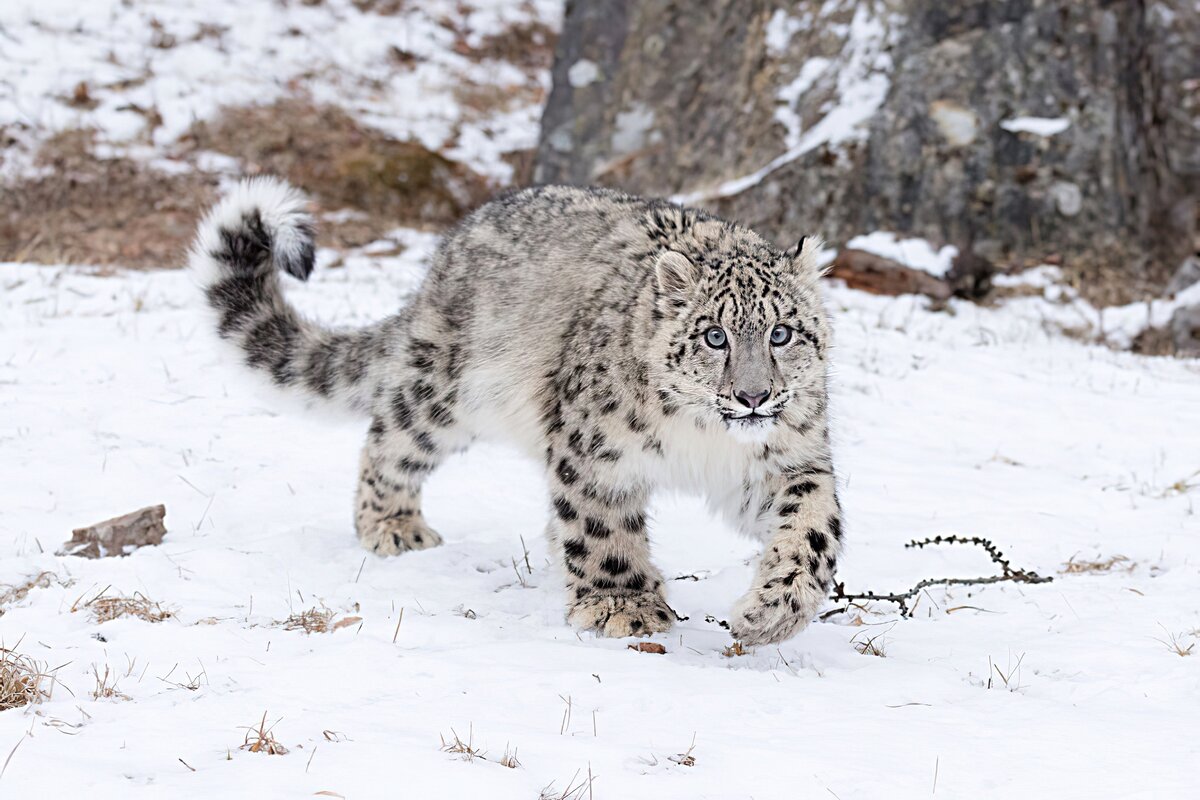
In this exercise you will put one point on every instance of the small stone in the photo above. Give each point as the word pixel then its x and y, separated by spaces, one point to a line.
pixel 1068 199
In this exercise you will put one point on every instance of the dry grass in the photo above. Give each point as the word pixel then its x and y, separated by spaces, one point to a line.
pixel 314 620
pixel 259 739
pixel 18 592
pixel 733 650
pixel 345 165
pixel 87 210
pixel 1082 567
pixel 1174 644
pixel 869 645
pixel 578 788
pixel 526 45
pixel 317 620
pixel 106 685
pixel 23 680
pixel 467 749
pixel 509 759
pixel 106 608
pixel 1011 680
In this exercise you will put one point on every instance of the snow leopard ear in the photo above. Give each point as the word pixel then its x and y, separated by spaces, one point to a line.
pixel 676 275
pixel 805 257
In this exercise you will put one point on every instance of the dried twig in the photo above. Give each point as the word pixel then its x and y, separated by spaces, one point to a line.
pixel 685 759
pixel 1008 574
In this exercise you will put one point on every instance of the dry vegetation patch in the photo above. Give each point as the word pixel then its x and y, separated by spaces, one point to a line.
pixel 1076 566
pixel 259 739
pixel 88 210
pixel 105 608
pixel 18 592
pixel 345 165
pixel 314 620
pixel 23 680
pixel 106 685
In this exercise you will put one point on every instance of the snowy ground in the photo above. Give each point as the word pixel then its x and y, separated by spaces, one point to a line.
pixel 114 395
pixel 395 66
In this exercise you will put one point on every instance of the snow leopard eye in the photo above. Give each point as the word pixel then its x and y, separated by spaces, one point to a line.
pixel 781 335
pixel 715 338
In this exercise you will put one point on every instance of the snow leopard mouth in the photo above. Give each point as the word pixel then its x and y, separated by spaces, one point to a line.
pixel 751 419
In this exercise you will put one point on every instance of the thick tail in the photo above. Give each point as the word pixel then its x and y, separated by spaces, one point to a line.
pixel 255 231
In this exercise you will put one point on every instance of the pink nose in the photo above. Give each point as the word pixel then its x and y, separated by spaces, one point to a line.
pixel 752 400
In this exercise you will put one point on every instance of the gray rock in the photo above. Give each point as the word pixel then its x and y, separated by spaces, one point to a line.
pixel 1185 330
pixel 1033 127
pixel 1187 275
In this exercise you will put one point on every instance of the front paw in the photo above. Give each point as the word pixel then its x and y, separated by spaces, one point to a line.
pixel 775 611
pixel 618 615
pixel 391 537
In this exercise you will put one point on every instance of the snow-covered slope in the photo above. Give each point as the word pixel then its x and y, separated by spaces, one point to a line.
pixel 115 65
pixel 114 394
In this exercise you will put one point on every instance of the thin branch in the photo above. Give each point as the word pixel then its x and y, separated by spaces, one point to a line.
pixel 1008 574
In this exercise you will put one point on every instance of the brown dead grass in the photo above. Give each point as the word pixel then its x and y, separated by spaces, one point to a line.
pixel 99 211
pixel 456 746
pixel 526 45
pixel 23 681
pixel 259 739
pixel 314 620
pixel 1076 566
pixel 106 608
pixel 106 685
pixel 345 165
pixel 18 592
pixel 869 645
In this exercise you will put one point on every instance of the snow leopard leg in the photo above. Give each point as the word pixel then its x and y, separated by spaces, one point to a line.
pixel 395 462
pixel 800 510
pixel 599 531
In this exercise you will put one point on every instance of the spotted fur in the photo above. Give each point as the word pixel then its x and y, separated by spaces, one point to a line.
pixel 575 323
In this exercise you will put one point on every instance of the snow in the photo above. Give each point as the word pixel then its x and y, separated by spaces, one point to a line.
pixel 188 58
pixel 582 73
pixel 1039 126
pixel 781 27
pixel 115 394
pixel 1060 306
pixel 914 252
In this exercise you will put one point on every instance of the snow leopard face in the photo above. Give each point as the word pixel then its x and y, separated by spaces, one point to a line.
pixel 743 335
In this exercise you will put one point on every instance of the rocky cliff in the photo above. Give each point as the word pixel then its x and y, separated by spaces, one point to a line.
pixel 1017 130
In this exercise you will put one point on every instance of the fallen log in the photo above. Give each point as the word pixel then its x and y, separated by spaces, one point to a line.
pixel 879 275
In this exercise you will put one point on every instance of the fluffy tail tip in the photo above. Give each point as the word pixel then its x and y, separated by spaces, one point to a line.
pixel 259 219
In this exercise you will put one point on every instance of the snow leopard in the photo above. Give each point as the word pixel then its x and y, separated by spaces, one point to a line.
pixel 626 344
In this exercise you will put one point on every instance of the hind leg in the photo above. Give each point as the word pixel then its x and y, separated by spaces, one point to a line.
pixel 388 509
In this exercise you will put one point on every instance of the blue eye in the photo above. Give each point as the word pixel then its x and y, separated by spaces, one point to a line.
pixel 715 338
pixel 781 335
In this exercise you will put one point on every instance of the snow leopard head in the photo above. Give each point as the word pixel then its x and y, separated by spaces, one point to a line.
pixel 742 332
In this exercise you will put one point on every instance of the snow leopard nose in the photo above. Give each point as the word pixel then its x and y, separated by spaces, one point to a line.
pixel 752 400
